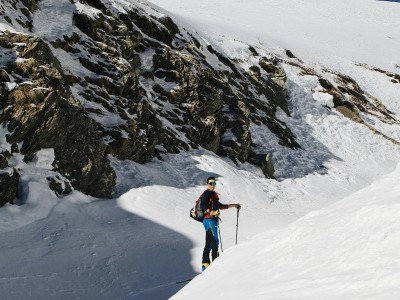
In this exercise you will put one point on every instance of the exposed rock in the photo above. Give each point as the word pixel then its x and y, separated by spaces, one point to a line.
pixel 145 87
pixel 59 186
pixel 275 83
pixel 267 166
pixel 253 51
pixel 212 108
pixel 44 115
pixel 349 113
pixel 348 93
pixel 325 84
pixel 290 54
pixel 264 161
pixel 4 76
pixel 95 3
pixel 8 186
pixel 3 162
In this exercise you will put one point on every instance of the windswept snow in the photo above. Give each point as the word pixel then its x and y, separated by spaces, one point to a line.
pixel 327 229
pixel 58 13
pixel 367 31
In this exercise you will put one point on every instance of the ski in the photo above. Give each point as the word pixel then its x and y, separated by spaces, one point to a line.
pixel 183 281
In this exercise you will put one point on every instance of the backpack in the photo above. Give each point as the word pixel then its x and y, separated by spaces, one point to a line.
pixel 196 212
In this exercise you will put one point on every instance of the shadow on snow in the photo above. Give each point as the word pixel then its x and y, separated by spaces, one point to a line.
pixel 313 155
pixel 93 251
pixel 178 171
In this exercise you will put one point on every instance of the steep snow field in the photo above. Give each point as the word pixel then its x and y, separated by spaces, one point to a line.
pixel 328 228
pixel 366 31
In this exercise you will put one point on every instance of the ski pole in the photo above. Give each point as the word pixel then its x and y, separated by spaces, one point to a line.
pixel 220 237
pixel 237 223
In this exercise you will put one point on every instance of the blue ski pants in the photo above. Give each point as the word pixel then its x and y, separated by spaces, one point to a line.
pixel 212 241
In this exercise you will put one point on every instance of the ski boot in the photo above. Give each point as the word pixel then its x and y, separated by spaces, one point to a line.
pixel 204 266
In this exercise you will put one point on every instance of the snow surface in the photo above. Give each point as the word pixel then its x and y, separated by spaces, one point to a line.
pixel 328 228
pixel 366 31
pixel 348 250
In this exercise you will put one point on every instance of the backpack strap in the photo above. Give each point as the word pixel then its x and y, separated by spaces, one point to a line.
pixel 210 201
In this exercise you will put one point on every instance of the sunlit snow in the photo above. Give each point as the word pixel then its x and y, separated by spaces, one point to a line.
pixel 328 228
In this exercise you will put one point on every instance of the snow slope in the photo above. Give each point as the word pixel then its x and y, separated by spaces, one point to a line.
pixel 137 245
pixel 366 31
pixel 348 250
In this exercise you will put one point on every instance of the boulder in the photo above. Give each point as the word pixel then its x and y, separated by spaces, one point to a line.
pixel 264 161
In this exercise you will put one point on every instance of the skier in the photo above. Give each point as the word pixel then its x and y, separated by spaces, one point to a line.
pixel 210 205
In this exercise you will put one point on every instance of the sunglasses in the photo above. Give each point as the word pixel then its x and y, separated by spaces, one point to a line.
pixel 213 183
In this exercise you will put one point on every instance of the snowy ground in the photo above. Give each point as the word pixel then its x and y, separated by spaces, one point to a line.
pixel 138 245
pixel 348 250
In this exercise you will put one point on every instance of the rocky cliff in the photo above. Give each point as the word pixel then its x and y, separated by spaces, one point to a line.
pixel 127 81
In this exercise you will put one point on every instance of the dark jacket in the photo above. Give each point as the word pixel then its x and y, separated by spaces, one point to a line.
pixel 210 200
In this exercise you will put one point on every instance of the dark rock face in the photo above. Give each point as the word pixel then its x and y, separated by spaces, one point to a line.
pixel 59 186
pixel 264 161
pixel 144 87
pixel 3 161
pixel 202 106
pixel 8 187
pixel 43 114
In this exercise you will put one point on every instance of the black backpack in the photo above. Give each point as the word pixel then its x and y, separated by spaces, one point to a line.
pixel 196 212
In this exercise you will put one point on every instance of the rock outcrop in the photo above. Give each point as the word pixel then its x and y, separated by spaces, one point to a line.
pixel 132 84
pixel 8 186
pixel 40 112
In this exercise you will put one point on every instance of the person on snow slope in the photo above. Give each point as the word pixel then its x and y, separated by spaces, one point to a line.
pixel 211 206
